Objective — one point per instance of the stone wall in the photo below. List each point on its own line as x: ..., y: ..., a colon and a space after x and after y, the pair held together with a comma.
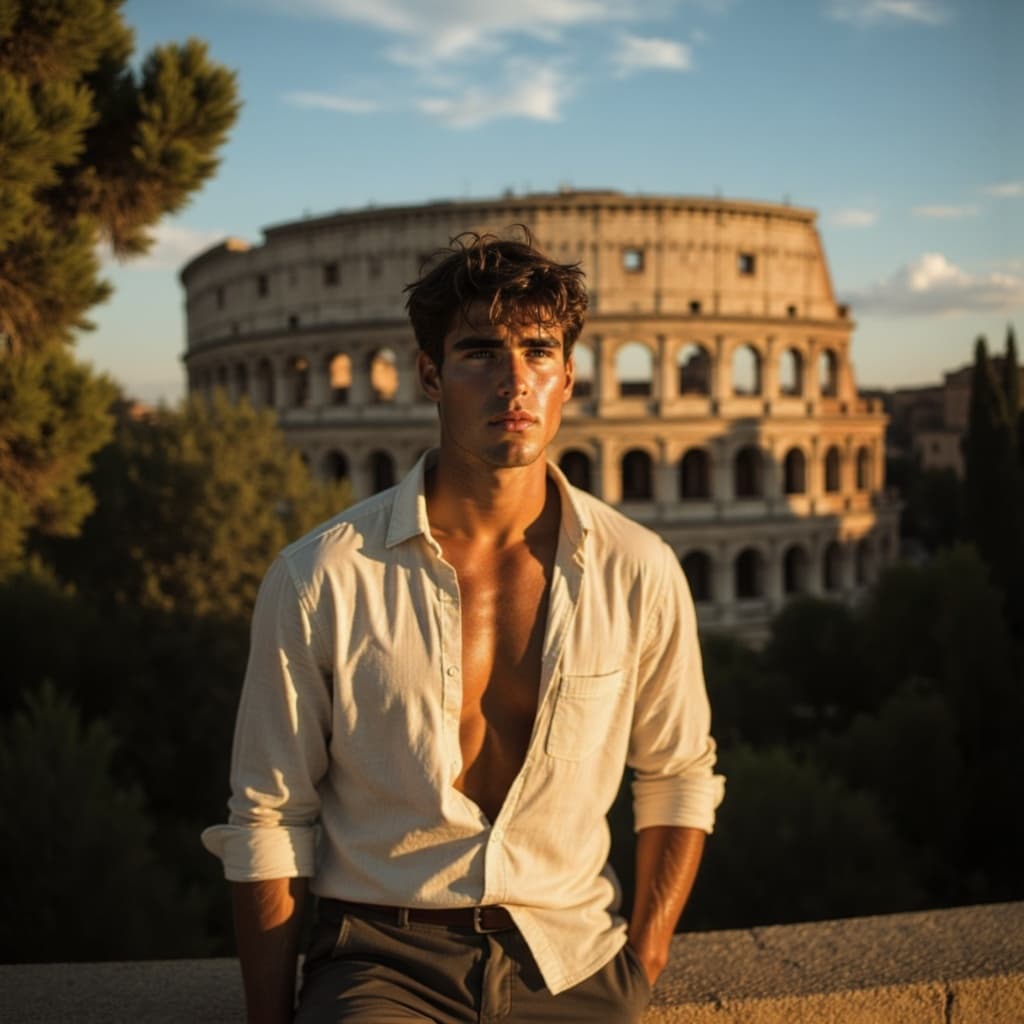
x: 962, y: 966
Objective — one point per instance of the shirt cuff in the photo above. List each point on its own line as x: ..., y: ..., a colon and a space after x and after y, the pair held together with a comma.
x: 681, y: 802
x: 259, y: 854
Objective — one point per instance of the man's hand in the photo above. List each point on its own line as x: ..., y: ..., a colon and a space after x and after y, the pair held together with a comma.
x: 667, y: 858
x: 268, y: 916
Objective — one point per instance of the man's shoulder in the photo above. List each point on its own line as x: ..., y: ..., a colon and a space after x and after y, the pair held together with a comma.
x: 617, y: 537
x: 331, y: 543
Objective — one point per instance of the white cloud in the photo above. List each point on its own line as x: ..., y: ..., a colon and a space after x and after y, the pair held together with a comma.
x: 445, y: 30
x: 946, y: 212
x: 330, y: 101
x: 530, y: 91
x: 1006, y: 190
x: 854, y: 218
x: 173, y: 245
x: 931, y: 285
x: 636, y: 53
x: 874, y: 12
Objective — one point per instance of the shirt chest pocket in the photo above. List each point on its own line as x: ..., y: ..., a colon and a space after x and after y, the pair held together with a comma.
x: 586, y: 709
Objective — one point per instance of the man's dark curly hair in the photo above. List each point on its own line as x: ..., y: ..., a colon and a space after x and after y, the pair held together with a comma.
x: 519, y: 284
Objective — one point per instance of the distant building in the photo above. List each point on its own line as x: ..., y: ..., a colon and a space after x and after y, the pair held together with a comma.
x: 930, y: 423
x: 715, y: 397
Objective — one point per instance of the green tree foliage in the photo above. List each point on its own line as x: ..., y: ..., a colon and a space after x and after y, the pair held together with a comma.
x: 194, y: 504
x: 909, y: 755
x: 933, y: 509
x: 146, y: 625
x: 995, y: 478
x: 813, y: 645
x: 749, y: 703
x: 82, y: 878
x: 1011, y: 383
x: 90, y: 151
x: 793, y: 844
x: 53, y: 415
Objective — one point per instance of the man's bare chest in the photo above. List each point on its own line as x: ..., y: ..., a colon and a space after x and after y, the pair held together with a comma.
x: 503, y: 605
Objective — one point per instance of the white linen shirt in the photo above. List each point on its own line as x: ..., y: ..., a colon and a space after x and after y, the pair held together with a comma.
x: 348, y: 726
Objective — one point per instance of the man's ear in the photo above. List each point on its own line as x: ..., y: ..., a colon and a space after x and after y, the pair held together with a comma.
x: 570, y: 377
x: 430, y: 376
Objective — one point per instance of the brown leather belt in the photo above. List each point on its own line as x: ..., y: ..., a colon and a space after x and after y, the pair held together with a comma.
x: 473, y: 919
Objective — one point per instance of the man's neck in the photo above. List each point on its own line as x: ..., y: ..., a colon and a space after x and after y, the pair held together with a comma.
x: 495, y: 507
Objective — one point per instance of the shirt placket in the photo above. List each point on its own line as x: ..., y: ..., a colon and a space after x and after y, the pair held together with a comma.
x: 451, y: 666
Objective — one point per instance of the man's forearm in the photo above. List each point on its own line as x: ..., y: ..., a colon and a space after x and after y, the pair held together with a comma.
x: 268, y: 917
x: 667, y: 858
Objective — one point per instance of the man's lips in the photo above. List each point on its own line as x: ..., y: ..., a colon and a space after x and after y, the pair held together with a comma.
x: 513, y: 422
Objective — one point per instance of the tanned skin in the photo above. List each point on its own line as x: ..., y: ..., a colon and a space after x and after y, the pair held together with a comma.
x: 494, y: 512
x: 268, y: 917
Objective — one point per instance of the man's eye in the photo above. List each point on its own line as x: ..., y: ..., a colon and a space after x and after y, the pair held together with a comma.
x: 545, y: 352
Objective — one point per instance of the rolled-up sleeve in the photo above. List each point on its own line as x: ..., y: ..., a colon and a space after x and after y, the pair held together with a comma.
x: 280, y: 746
x: 671, y: 749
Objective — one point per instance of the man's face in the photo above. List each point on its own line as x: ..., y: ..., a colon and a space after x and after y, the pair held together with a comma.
x: 501, y: 389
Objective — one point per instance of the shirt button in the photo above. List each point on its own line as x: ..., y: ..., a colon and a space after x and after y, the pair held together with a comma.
x: 452, y: 670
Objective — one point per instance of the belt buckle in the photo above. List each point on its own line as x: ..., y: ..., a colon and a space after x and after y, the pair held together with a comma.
x: 478, y: 926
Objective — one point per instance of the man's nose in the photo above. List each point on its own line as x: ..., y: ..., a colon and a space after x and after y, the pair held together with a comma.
x: 513, y: 376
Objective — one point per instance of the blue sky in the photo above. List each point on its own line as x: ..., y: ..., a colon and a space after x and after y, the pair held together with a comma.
x: 899, y: 121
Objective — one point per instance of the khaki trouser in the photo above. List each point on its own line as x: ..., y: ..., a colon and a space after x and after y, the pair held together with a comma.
x: 375, y: 971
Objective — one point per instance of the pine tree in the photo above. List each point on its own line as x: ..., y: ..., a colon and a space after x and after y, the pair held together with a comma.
x: 90, y: 151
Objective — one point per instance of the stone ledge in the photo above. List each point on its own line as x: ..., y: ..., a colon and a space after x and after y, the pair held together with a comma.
x: 961, y: 966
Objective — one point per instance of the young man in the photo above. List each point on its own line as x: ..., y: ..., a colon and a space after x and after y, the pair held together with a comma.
x: 446, y: 682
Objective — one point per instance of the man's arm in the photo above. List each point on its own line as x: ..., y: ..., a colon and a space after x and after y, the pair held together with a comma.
x: 268, y: 917
x: 667, y: 858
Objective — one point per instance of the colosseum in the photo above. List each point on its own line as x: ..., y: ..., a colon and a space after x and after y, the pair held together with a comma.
x: 715, y: 398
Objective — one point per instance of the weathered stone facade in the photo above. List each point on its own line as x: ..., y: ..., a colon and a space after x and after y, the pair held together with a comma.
x: 715, y: 394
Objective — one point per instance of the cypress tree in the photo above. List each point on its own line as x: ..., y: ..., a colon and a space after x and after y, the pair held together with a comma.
x: 995, y: 486
x: 989, y: 463
x: 1011, y: 385
x: 91, y: 151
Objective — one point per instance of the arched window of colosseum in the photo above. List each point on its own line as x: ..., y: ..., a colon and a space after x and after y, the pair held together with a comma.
x: 583, y: 377
x: 222, y: 378
x: 828, y: 374
x: 697, y: 566
x: 695, y: 474
x: 241, y: 380
x: 634, y: 369
x: 794, y: 472
x: 863, y: 469
x: 832, y: 474
x: 298, y: 374
x: 791, y: 373
x: 384, y: 375
x: 382, y: 471
x: 339, y: 369
x: 748, y: 476
x: 746, y: 371
x: 749, y: 574
x: 694, y: 366
x: 335, y: 465
x: 637, y: 476
x: 794, y: 570
x: 265, y: 393
x: 576, y: 467
x: 862, y: 562
x: 832, y: 567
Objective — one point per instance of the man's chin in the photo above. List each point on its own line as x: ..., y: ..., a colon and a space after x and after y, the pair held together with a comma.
x: 513, y: 455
